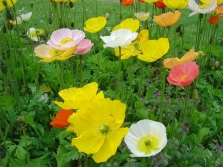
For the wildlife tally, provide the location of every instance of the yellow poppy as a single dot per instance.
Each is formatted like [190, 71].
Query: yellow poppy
[95, 24]
[176, 4]
[129, 23]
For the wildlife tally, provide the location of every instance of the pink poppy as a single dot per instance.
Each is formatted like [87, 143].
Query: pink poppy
[65, 38]
[83, 47]
[184, 74]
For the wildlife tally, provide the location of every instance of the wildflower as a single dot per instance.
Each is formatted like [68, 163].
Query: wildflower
[204, 8]
[98, 128]
[127, 2]
[146, 138]
[129, 23]
[120, 37]
[143, 36]
[60, 120]
[173, 4]
[142, 16]
[31, 33]
[45, 88]
[160, 4]
[21, 18]
[95, 24]
[74, 97]
[188, 57]
[65, 38]
[83, 47]
[6, 3]
[49, 54]
[167, 19]
[214, 18]
[153, 50]
[183, 74]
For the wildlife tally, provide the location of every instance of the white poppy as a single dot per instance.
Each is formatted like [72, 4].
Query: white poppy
[31, 33]
[142, 16]
[146, 138]
[120, 37]
[21, 18]
[204, 8]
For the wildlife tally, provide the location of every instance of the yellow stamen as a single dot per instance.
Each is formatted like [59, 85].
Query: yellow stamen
[148, 144]
[65, 40]
[104, 129]
[56, 52]
[183, 78]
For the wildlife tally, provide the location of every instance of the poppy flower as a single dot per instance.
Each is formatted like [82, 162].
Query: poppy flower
[127, 2]
[98, 126]
[95, 24]
[213, 20]
[129, 23]
[167, 19]
[60, 120]
[146, 138]
[21, 18]
[184, 74]
[160, 4]
[176, 4]
[142, 16]
[188, 57]
[8, 3]
[150, 1]
[203, 8]
[142, 1]
[83, 47]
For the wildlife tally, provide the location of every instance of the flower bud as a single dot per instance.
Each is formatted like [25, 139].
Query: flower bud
[154, 109]
[107, 16]
[72, 24]
[50, 20]
[217, 64]
[31, 5]
[7, 90]
[9, 14]
[195, 94]
[71, 4]
[5, 3]
[200, 54]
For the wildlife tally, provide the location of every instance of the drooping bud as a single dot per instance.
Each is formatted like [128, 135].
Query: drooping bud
[31, 5]
[195, 94]
[72, 24]
[9, 14]
[217, 64]
[71, 4]
[50, 20]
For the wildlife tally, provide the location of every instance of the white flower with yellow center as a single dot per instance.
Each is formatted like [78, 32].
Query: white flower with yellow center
[21, 18]
[146, 138]
[207, 7]
[119, 38]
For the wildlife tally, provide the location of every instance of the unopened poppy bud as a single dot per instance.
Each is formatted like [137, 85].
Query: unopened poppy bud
[31, 5]
[154, 109]
[178, 29]
[217, 64]
[195, 94]
[50, 21]
[107, 16]
[4, 29]
[5, 3]
[72, 24]
[29, 91]
[7, 90]
[9, 14]
[4, 68]
[212, 62]
[71, 4]
[201, 16]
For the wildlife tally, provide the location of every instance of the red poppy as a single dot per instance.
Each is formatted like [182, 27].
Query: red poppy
[127, 2]
[213, 19]
[142, 1]
[184, 74]
[60, 120]
[160, 4]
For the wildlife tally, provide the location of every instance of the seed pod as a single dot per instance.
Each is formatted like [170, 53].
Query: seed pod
[154, 109]
[217, 64]
[72, 24]
[195, 94]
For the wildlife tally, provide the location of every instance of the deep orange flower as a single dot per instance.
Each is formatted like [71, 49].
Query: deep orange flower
[142, 1]
[60, 120]
[127, 2]
[213, 19]
[160, 4]
[168, 19]
[184, 74]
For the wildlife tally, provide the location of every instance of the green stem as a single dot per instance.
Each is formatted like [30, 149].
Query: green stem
[72, 71]
[141, 87]
[5, 145]
[183, 112]
[85, 160]
[61, 75]
[81, 77]
[163, 84]
[27, 153]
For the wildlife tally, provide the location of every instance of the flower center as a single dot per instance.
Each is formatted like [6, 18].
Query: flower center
[183, 78]
[148, 144]
[65, 40]
[104, 129]
[56, 52]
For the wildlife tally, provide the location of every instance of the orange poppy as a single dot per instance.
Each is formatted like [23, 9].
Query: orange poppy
[188, 57]
[127, 2]
[213, 19]
[167, 19]
[142, 1]
[160, 4]
[60, 120]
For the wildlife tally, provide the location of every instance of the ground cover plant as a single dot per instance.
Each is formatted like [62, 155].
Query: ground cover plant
[111, 83]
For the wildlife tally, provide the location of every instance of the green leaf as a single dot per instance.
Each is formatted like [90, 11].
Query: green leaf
[7, 101]
[202, 133]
